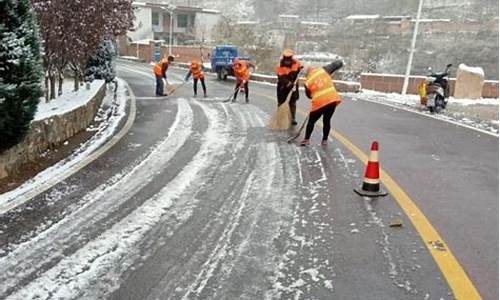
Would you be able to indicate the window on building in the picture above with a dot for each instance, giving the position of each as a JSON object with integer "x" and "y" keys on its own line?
{"x": 155, "y": 19}
{"x": 182, "y": 21}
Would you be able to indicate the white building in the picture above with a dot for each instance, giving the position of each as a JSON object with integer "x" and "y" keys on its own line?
{"x": 189, "y": 24}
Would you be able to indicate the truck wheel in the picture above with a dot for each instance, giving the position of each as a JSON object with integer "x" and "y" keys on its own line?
{"x": 219, "y": 75}
{"x": 225, "y": 77}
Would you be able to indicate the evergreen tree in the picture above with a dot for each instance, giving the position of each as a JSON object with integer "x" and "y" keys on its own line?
{"x": 101, "y": 65}
{"x": 20, "y": 70}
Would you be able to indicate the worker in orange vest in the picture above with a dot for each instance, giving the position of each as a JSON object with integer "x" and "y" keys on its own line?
{"x": 320, "y": 88}
{"x": 196, "y": 69}
{"x": 160, "y": 70}
{"x": 288, "y": 71}
{"x": 241, "y": 69}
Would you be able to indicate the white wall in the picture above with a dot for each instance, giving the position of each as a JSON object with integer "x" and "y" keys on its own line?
{"x": 142, "y": 25}
{"x": 204, "y": 25}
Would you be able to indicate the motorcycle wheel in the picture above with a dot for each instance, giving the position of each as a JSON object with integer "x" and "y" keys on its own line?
{"x": 440, "y": 104}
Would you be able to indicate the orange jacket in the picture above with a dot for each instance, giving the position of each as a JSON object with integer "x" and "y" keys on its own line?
{"x": 241, "y": 70}
{"x": 196, "y": 70}
{"x": 320, "y": 85}
{"x": 283, "y": 71}
{"x": 160, "y": 68}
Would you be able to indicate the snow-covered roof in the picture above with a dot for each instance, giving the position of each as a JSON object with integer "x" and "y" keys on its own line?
{"x": 317, "y": 56}
{"x": 396, "y": 17}
{"x": 247, "y": 22}
{"x": 431, "y": 20}
{"x": 362, "y": 17}
{"x": 210, "y": 11}
{"x": 147, "y": 41}
{"x": 289, "y": 16}
{"x": 314, "y": 23}
{"x": 167, "y": 6}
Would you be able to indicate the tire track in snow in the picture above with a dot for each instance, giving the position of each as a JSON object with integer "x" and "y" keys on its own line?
{"x": 238, "y": 201}
{"x": 254, "y": 248}
{"x": 247, "y": 245}
{"x": 51, "y": 245}
{"x": 304, "y": 266}
{"x": 160, "y": 271}
{"x": 72, "y": 276}
{"x": 212, "y": 253}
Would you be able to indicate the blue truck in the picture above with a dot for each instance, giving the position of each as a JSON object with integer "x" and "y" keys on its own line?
{"x": 222, "y": 60}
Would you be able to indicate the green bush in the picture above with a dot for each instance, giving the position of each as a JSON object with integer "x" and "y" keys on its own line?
{"x": 20, "y": 70}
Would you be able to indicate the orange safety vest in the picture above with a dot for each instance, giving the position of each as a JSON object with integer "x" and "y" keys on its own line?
{"x": 196, "y": 70}
{"x": 323, "y": 92}
{"x": 242, "y": 72}
{"x": 158, "y": 68}
{"x": 283, "y": 71}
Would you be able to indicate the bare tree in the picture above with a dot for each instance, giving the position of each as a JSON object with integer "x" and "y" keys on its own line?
{"x": 72, "y": 30}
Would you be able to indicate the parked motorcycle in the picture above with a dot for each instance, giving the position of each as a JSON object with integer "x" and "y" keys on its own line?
{"x": 437, "y": 90}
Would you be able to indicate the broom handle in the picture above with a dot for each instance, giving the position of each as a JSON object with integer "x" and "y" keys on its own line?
{"x": 289, "y": 97}
{"x": 291, "y": 91}
{"x": 299, "y": 132}
{"x": 232, "y": 94}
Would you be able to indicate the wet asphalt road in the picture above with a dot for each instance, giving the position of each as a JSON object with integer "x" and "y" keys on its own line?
{"x": 200, "y": 201}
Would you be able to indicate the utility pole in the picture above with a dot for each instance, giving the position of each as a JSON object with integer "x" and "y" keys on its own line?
{"x": 171, "y": 11}
{"x": 412, "y": 49}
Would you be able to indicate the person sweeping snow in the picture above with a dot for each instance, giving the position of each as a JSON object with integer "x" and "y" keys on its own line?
{"x": 324, "y": 97}
{"x": 196, "y": 69}
{"x": 288, "y": 71}
{"x": 160, "y": 71}
{"x": 241, "y": 71}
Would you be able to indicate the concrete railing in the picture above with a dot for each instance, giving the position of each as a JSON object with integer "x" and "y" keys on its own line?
{"x": 49, "y": 133}
{"x": 342, "y": 86}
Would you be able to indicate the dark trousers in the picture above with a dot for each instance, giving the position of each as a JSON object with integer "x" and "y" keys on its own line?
{"x": 237, "y": 89}
{"x": 282, "y": 93}
{"x": 159, "y": 86}
{"x": 327, "y": 113}
{"x": 195, "y": 86}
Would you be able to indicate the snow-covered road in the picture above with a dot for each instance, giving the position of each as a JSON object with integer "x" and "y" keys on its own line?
{"x": 200, "y": 201}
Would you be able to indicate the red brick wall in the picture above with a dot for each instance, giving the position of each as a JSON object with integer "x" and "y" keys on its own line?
{"x": 186, "y": 54}
{"x": 490, "y": 89}
{"x": 394, "y": 84}
{"x": 182, "y": 53}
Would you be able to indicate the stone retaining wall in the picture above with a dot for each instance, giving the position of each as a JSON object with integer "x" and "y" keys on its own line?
{"x": 49, "y": 133}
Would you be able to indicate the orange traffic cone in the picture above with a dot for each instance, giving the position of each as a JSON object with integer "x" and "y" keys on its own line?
{"x": 371, "y": 183}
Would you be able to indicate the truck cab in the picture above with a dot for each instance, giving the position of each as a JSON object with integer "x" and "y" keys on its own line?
{"x": 222, "y": 60}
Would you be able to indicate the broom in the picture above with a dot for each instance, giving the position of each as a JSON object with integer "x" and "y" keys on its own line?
{"x": 297, "y": 134}
{"x": 232, "y": 94}
{"x": 171, "y": 88}
{"x": 282, "y": 118}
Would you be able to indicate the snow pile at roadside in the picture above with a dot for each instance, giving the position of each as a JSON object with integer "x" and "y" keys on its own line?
{"x": 112, "y": 111}
{"x": 481, "y": 114}
{"x": 68, "y": 101}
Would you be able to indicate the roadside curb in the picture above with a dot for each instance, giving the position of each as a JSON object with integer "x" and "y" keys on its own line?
{"x": 12, "y": 199}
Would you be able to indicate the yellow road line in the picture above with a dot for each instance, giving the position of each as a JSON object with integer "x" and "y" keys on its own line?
{"x": 458, "y": 280}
